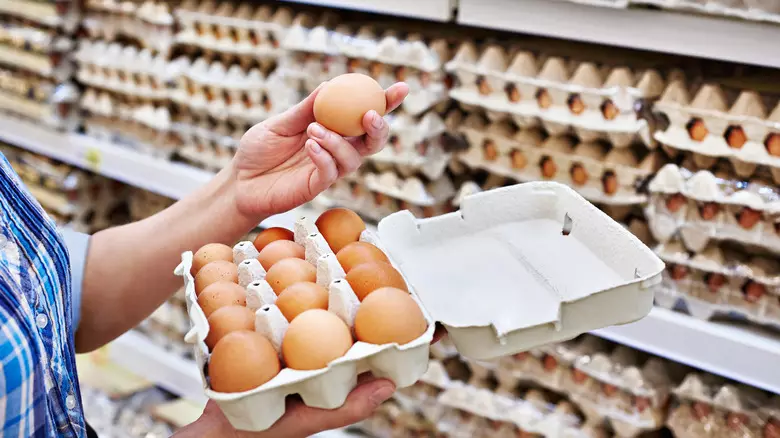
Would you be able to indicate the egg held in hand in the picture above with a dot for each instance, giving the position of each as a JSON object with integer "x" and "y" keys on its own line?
{"x": 344, "y": 100}
{"x": 280, "y": 250}
{"x": 271, "y": 235}
{"x": 357, "y": 253}
{"x": 221, "y": 294}
{"x": 241, "y": 361}
{"x": 340, "y": 227}
{"x": 288, "y": 272}
{"x": 300, "y": 297}
{"x": 314, "y": 339}
{"x": 368, "y": 277}
{"x": 389, "y": 315}
{"x": 226, "y": 320}
{"x": 209, "y": 253}
{"x": 219, "y": 270}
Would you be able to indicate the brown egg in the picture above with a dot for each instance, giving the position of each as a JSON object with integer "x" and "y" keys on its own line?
{"x": 241, "y": 361}
{"x": 675, "y": 202}
{"x": 678, "y": 272}
{"x": 576, "y": 105}
{"x": 736, "y": 137}
{"x": 300, "y": 297}
{"x": 387, "y": 316}
{"x": 357, "y": 253}
{"x": 213, "y": 272}
{"x": 314, "y": 339}
{"x": 368, "y": 277}
{"x": 753, "y": 291}
{"x": 288, "y": 272}
{"x": 518, "y": 160}
{"x": 512, "y": 93}
{"x": 550, "y": 362}
{"x": 701, "y": 410}
{"x": 609, "y": 110}
{"x": 221, "y": 294}
{"x": 483, "y": 86}
{"x": 578, "y": 174}
{"x": 715, "y": 281}
{"x": 697, "y": 130}
{"x": 340, "y": 227}
{"x": 772, "y": 144}
{"x": 748, "y": 218}
{"x": 549, "y": 168}
{"x": 278, "y": 250}
{"x": 226, "y": 320}
{"x": 209, "y": 253}
{"x": 543, "y": 99}
{"x": 341, "y": 104}
{"x": 609, "y": 183}
{"x": 489, "y": 151}
{"x": 709, "y": 210}
{"x": 271, "y": 235}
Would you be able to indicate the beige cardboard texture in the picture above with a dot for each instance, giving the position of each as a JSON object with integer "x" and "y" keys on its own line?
{"x": 499, "y": 274}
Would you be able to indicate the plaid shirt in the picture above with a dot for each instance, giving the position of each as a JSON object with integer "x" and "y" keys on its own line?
{"x": 39, "y": 390}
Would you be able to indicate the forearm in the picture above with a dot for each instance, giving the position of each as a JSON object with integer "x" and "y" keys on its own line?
{"x": 129, "y": 269}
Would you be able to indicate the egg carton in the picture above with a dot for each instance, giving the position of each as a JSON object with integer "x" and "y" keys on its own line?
{"x": 125, "y": 69}
{"x": 205, "y": 154}
{"x": 110, "y": 19}
{"x": 224, "y": 27}
{"x": 54, "y": 115}
{"x": 627, "y": 273}
{"x": 31, "y": 39}
{"x": 412, "y": 190}
{"x": 595, "y": 101}
{"x": 60, "y": 14}
{"x": 701, "y": 208}
{"x": 523, "y": 155}
{"x": 375, "y": 206}
{"x": 757, "y": 10}
{"x": 42, "y": 90}
{"x": 722, "y": 123}
{"x": 50, "y": 65}
{"x": 202, "y": 130}
{"x": 708, "y": 405}
{"x": 720, "y": 282}
{"x": 536, "y": 417}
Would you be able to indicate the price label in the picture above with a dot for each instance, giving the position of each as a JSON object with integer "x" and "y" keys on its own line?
{"x": 93, "y": 157}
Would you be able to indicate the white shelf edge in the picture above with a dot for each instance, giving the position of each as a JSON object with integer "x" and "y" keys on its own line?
{"x": 679, "y": 33}
{"x": 741, "y": 353}
{"x": 433, "y": 10}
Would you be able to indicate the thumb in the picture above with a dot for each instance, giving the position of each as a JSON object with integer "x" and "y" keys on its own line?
{"x": 295, "y": 119}
{"x": 302, "y": 421}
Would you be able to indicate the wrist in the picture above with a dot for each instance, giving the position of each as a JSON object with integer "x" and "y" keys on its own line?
{"x": 228, "y": 195}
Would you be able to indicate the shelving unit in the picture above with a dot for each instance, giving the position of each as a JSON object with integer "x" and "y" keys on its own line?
{"x": 665, "y": 31}
{"x": 434, "y": 10}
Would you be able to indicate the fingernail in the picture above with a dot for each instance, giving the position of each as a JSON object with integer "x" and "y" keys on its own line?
{"x": 382, "y": 394}
{"x": 376, "y": 120}
{"x": 314, "y": 146}
{"x": 317, "y": 130}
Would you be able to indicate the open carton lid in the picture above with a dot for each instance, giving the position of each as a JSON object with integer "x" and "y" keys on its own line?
{"x": 522, "y": 266}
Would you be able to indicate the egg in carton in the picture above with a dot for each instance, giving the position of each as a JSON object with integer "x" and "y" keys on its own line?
{"x": 770, "y": 413}
{"x": 693, "y": 415}
{"x": 710, "y": 127}
{"x": 535, "y": 415}
{"x": 603, "y": 395}
{"x": 480, "y": 83}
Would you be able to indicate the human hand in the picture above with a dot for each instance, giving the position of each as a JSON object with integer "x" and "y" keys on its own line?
{"x": 289, "y": 159}
{"x": 300, "y": 420}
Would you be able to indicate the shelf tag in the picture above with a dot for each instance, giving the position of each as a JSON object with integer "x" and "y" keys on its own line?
{"x": 93, "y": 157}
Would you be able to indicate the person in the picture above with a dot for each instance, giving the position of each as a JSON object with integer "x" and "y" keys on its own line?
{"x": 63, "y": 292}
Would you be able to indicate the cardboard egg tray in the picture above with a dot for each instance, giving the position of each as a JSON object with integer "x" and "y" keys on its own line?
{"x": 415, "y": 145}
{"x": 523, "y": 156}
{"x": 719, "y": 281}
{"x": 62, "y": 14}
{"x": 519, "y": 232}
{"x": 711, "y": 406}
{"x": 57, "y": 115}
{"x": 52, "y": 63}
{"x": 108, "y": 19}
{"x": 546, "y": 89}
{"x": 238, "y": 29}
{"x": 701, "y": 207}
{"x": 713, "y": 122}
{"x": 757, "y": 10}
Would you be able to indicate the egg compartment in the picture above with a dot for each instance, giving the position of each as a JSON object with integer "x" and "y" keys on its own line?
{"x": 242, "y": 29}
{"x": 720, "y": 122}
{"x": 124, "y": 69}
{"x": 532, "y": 87}
{"x": 755, "y": 10}
{"x": 61, "y": 14}
{"x": 110, "y": 20}
{"x": 708, "y": 404}
{"x": 412, "y": 190}
{"x": 326, "y": 388}
{"x": 720, "y": 281}
{"x": 534, "y": 414}
{"x": 525, "y": 155}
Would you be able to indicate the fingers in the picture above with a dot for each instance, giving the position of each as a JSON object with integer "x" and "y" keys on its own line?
{"x": 326, "y": 172}
{"x": 348, "y": 159}
{"x": 295, "y": 119}
{"x": 301, "y": 421}
{"x": 395, "y": 95}
{"x": 377, "y": 133}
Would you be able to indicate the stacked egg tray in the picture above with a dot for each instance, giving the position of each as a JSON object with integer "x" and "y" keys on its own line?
{"x": 150, "y": 23}
{"x": 756, "y": 10}
{"x": 35, "y": 72}
{"x": 714, "y": 122}
{"x": 595, "y": 102}
{"x": 603, "y": 175}
{"x": 62, "y": 14}
{"x": 322, "y": 49}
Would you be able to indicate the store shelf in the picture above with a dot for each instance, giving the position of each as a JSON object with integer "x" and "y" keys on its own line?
{"x": 434, "y": 10}
{"x": 664, "y": 31}
{"x": 743, "y": 353}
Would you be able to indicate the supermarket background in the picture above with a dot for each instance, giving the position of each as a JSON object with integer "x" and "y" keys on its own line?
{"x": 664, "y": 113}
